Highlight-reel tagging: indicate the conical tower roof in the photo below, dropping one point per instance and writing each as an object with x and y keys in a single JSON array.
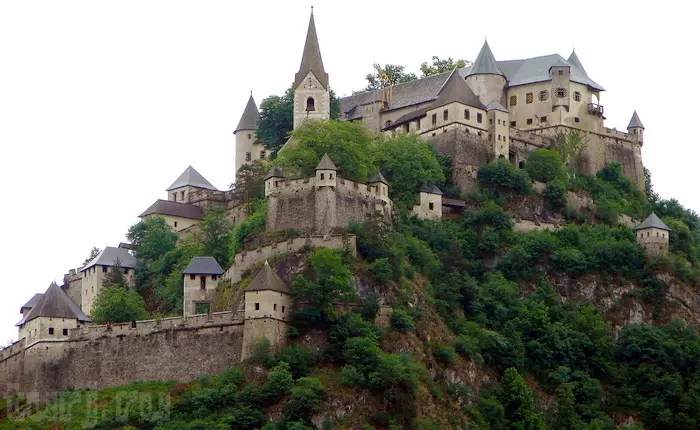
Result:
[
  {"x": 652, "y": 221},
  {"x": 192, "y": 178},
  {"x": 573, "y": 59},
  {"x": 635, "y": 121},
  {"x": 326, "y": 163},
  {"x": 55, "y": 304},
  {"x": 485, "y": 63},
  {"x": 267, "y": 280},
  {"x": 455, "y": 89},
  {"x": 251, "y": 116},
  {"x": 311, "y": 60}
]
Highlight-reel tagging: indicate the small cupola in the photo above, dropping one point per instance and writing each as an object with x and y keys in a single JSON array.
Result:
[{"x": 272, "y": 180}]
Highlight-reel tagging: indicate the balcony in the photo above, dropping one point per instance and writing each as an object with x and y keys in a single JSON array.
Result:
[{"x": 595, "y": 109}]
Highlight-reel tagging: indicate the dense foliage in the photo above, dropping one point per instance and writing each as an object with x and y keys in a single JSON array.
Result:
[{"x": 118, "y": 304}]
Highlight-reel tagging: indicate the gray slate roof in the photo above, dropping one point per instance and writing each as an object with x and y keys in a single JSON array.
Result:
[
  {"x": 652, "y": 221},
  {"x": 485, "y": 63},
  {"x": 496, "y": 105},
  {"x": 32, "y": 302},
  {"x": 267, "y": 279},
  {"x": 455, "y": 89},
  {"x": 326, "y": 163},
  {"x": 251, "y": 116},
  {"x": 378, "y": 178},
  {"x": 275, "y": 172},
  {"x": 192, "y": 178},
  {"x": 109, "y": 257},
  {"x": 167, "y": 207},
  {"x": 311, "y": 60},
  {"x": 203, "y": 266},
  {"x": 574, "y": 61},
  {"x": 431, "y": 189},
  {"x": 635, "y": 121},
  {"x": 419, "y": 113},
  {"x": 55, "y": 303}
]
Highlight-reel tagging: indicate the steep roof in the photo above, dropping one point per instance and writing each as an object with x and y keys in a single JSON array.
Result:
[
  {"x": 55, "y": 303},
  {"x": 251, "y": 116},
  {"x": 652, "y": 221},
  {"x": 495, "y": 105},
  {"x": 635, "y": 121},
  {"x": 574, "y": 61},
  {"x": 192, "y": 178},
  {"x": 167, "y": 207},
  {"x": 430, "y": 189},
  {"x": 109, "y": 257},
  {"x": 32, "y": 302},
  {"x": 378, "y": 177},
  {"x": 275, "y": 172},
  {"x": 266, "y": 279},
  {"x": 455, "y": 89},
  {"x": 326, "y": 163},
  {"x": 311, "y": 60},
  {"x": 485, "y": 63},
  {"x": 203, "y": 266}
]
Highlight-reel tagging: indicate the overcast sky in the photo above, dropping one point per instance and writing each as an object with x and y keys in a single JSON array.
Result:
[{"x": 104, "y": 104}]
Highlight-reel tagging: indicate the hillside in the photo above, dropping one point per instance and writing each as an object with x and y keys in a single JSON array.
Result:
[{"x": 453, "y": 323}]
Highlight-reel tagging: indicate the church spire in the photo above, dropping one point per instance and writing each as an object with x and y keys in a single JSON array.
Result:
[
  {"x": 311, "y": 60},
  {"x": 485, "y": 63}
]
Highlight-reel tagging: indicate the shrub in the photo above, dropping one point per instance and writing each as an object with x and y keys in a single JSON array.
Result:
[
  {"x": 300, "y": 360},
  {"x": 570, "y": 260},
  {"x": 381, "y": 271},
  {"x": 402, "y": 321},
  {"x": 445, "y": 354},
  {"x": 502, "y": 175},
  {"x": 544, "y": 165},
  {"x": 556, "y": 195},
  {"x": 307, "y": 394},
  {"x": 118, "y": 304}
]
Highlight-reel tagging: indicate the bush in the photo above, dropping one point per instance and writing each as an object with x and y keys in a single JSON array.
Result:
[
  {"x": 501, "y": 175},
  {"x": 445, "y": 354},
  {"x": 118, "y": 304},
  {"x": 306, "y": 398},
  {"x": 381, "y": 271},
  {"x": 556, "y": 195},
  {"x": 402, "y": 321},
  {"x": 570, "y": 260},
  {"x": 300, "y": 360},
  {"x": 544, "y": 165}
]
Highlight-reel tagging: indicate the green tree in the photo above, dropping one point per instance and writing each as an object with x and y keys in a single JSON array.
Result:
[
  {"x": 544, "y": 165},
  {"x": 402, "y": 321},
  {"x": 571, "y": 145},
  {"x": 154, "y": 249},
  {"x": 215, "y": 230},
  {"x": 566, "y": 416},
  {"x": 501, "y": 175},
  {"x": 276, "y": 120},
  {"x": 116, "y": 304},
  {"x": 389, "y": 74},
  {"x": 519, "y": 402},
  {"x": 94, "y": 252},
  {"x": 115, "y": 276},
  {"x": 250, "y": 182},
  {"x": 305, "y": 401},
  {"x": 441, "y": 66}
]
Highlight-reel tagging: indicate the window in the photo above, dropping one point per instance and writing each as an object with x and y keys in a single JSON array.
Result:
[
  {"x": 405, "y": 127},
  {"x": 192, "y": 277},
  {"x": 479, "y": 118},
  {"x": 491, "y": 121},
  {"x": 577, "y": 96},
  {"x": 561, "y": 72},
  {"x": 50, "y": 330},
  {"x": 543, "y": 118},
  {"x": 499, "y": 122},
  {"x": 65, "y": 332},
  {"x": 250, "y": 136},
  {"x": 174, "y": 196},
  {"x": 434, "y": 118},
  {"x": 310, "y": 104},
  {"x": 262, "y": 154},
  {"x": 182, "y": 195},
  {"x": 175, "y": 224},
  {"x": 561, "y": 93},
  {"x": 213, "y": 277},
  {"x": 445, "y": 115},
  {"x": 104, "y": 269},
  {"x": 322, "y": 176},
  {"x": 513, "y": 100},
  {"x": 257, "y": 306},
  {"x": 330, "y": 176},
  {"x": 283, "y": 307},
  {"x": 430, "y": 206},
  {"x": 499, "y": 137},
  {"x": 521, "y": 165},
  {"x": 247, "y": 156},
  {"x": 203, "y": 282},
  {"x": 529, "y": 121},
  {"x": 126, "y": 271},
  {"x": 512, "y": 123},
  {"x": 528, "y": 98},
  {"x": 466, "y": 113},
  {"x": 418, "y": 125},
  {"x": 543, "y": 95},
  {"x": 274, "y": 307},
  {"x": 576, "y": 119}
]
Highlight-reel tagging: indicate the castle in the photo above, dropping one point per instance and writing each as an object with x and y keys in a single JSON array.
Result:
[{"x": 492, "y": 109}]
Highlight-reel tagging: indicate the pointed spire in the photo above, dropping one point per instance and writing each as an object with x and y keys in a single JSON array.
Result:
[
  {"x": 635, "y": 121},
  {"x": 267, "y": 280},
  {"x": 485, "y": 63},
  {"x": 652, "y": 221},
  {"x": 311, "y": 60},
  {"x": 573, "y": 59},
  {"x": 192, "y": 178},
  {"x": 455, "y": 89},
  {"x": 251, "y": 116},
  {"x": 326, "y": 163}
]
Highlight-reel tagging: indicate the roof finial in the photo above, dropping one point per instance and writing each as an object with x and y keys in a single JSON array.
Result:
[
  {"x": 251, "y": 93},
  {"x": 312, "y": 9}
]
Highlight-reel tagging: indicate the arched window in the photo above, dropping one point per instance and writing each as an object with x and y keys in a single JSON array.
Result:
[
  {"x": 521, "y": 165},
  {"x": 310, "y": 104}
]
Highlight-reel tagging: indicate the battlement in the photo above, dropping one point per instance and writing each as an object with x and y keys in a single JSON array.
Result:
[{"x": 12, "y": 349}]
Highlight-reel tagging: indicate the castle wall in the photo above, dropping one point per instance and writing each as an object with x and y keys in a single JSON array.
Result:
[
  {"x": 467, "y": 152},
  {"x": 272, "y": 329}
]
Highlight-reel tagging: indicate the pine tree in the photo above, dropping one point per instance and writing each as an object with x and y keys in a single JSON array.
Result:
[{"x": 115, "y": 276}]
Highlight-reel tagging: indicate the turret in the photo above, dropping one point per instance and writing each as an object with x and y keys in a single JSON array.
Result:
[
  {"x": 486, "y": 78},
  {"x": 636, "y": 129},
  {"x": 498, "y": 129},
  {"x": 430, "y": 203},
  {"x": 560, "y": 73},
  {"x": 326, "y": 172},
  {"x": 200, "y": 279},
  {"x": 311, "y": 91},
  {"x": 248, "y": 147},
  {"x": 272, "y": 179},
  {"x": 189, "y": 181},
  {"x": 653, "y": 235},
  {"x": 380, "y": 184}
]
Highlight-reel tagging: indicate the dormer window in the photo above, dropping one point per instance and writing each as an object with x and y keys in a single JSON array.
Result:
[{"x": 310, "y": 104}]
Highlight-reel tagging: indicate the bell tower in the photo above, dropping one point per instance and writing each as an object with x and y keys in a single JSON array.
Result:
[{"x": 311, "y": 93}]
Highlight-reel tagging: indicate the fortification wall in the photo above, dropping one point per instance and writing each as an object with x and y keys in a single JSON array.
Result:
[
  {"x": 245, "y": 259},
  {"x": 467, "y": 151},
  {"x": 296, "y": 210}
]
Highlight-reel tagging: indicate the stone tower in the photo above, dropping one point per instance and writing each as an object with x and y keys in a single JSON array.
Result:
[
  {"x": 636, "y": 129},
  {"x": 311, "y": 92},
  {"x": 200, "y": 279},
  {"x": 560, "y": 73},
  {"x": 653, "y": 235},
  {"x": 485, "y": 78},
  {"x": 267, "y": 308},
  {"x": 498, "y": 129},
  {"x": 326, "y": 197},
  {"x": 248, "y": 147}
]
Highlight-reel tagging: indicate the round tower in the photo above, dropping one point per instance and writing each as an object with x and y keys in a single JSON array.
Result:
[
  {"x": 326, "y": 172},
  {"x": 636, "y": 129},
  {"x": 248, "y": 147},
  {"x": 486, "y": 78}
]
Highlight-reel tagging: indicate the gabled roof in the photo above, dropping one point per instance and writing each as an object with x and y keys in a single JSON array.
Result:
[
  {"x": 536, "y": 69},
  {"x": 455, "y": 89},
  {"x": 326, "y": 163},
  {"x": 574, "y": 61},
  {"x": 485, "y": 63},
  {"x": 430, "y": 189},
  {"x": 635, "y": 121},
  {"x": 495, "y": 105},
  {"x": 54, "y": 303},
  {"x": 275, "y": 172},
  {"x": 267, "y": 280},
  {"x": 378, "y": 178},
  {"x": 203, "y": 266},
  {"x": 652, "y": 221},
  {"x": 168, "y": 207},
  {"x": 251, "y": 116},
  {"x": 311, "y": 60},
  {"x": 109, "y": 257},
  {"x": 32, "y": 302},
  {"x": 192, "y": 178}
]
